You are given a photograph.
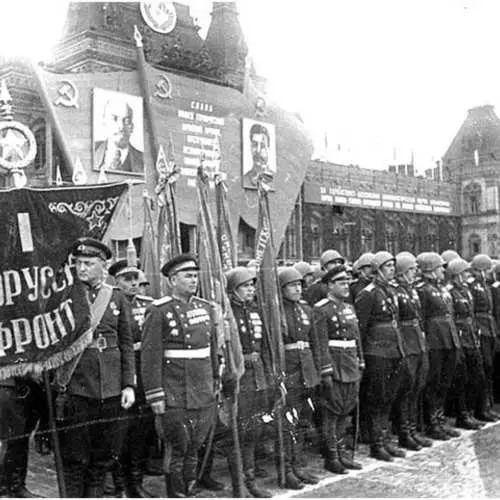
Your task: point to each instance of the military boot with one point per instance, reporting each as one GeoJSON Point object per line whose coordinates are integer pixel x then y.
{"type": "Point", "coordinates": [252, 487]}
{"type": "Point", "coordinates": [378, 451]}
{"type": "Point", "coordinates": [405, 438]}
{"type": "Point", "coordinates": [418, 438]}
{"type": "Point", "coordinates": [305, 476]}
{"type": "Point", "coordinates": [345, 456]}
{"type": "Point", "coordinates": [435, 431]}
{"type": "Point", "coordinates": [175, 486]}
{"type": "Point", "coordinates": [465, 421]}
{"type": "Point", "coordinates": [291, 481]}
{"type": "Point", "coordinates": [333, 463]}
{"type": "Point", "coordinates": [447, 428]}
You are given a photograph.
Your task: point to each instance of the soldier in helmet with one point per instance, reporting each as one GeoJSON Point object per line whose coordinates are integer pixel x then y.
{"type": "Point", "coordinates": [337, 324]}
{"type": "Point", "coordinates": [406, 408]}
{"type": "Point", "coordinates": [448, 256]}
{"type": "Point", "coordinates": [443, 343]}
{"type": "Point", "coordinates": [254, 384]}
{"type": "Point", "coordinates": [495, 291]}
{"type": "Point", "coordinates": [97, 386]}
{"type": "Point", "coordinates": [377, 310]}
{"type": "Point", "coordinates": [483, 312]}
{"type": "Point", "coordinates": [363, 268]}
{"type": "Point", "coordinates": [133, 459]}
{"type": "Point", "coordinates": [318, 290]}
{"type": "Point", "coordinates": [469, 375]}
{"type": "Point", "coordinates": [307, 273]}
{"type": "Point", "coordinates": [304, 360]}
{"type": "Point", "coordinates": [180, 370]}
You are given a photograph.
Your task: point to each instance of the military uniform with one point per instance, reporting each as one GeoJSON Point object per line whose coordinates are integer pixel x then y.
{"type": "Point", "coordinates": [406, 407]}
{"type": "Point", "coordinates": [179, 365]}
{"type": "Point", "coordinates": [495, 292]}
{"type": "Point", "coordinates": [338, 328]}
{"type": "Point", "coordinates": [21, 402]}
{"type": "Point", "coordinates": [253, 401]}
{"type": "Point", "coordinates": [377, 311]}
{"type": "Point", "coordinates": [483, 313]}
{"type": "Point", "coordinates": [140, 431]}
{"type": "Point", "coordinates": [357, 285]}
{"type": "Point", "coordinates": [443, 346]}
{"type": "Point", "coordinates": [303, 361]}
{"type": "Point", "coordinates": [469, 376]}
{"type": "Point", "coordinates": [93, 419]}
{"type": "Point", "coordinates": [317, 291]}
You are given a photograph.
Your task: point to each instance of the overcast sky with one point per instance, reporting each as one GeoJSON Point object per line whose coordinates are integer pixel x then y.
{"type": "Point", "coordinates": [380, 78]}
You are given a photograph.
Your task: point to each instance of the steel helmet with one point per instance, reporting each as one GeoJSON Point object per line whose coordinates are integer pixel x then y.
{"type": "Point", "coordinates": [405, 261]}
{"type": "Point", "coordinates": [496, 268]}
{"type": "Point", "coordinates": [329, 255]}
{"type": "Point", "coordinates": [288, 275]}
{"type": "Point", "coordinates": [237, 276]}
{"type": "Point", "coordinates": [381, 258]}
{"type": "Point", "coordinates": [481, 262]}
{"type": "Point", "coordinates": [363, 261]}
{"type": "Point", "coordinates": [456, 266]}
{"type": "Point", "coordinates": [428, 261]}
{"type": "Point", "coordinates": [303, 268]}
{"type": "Point", "coordinates": [449, 255]}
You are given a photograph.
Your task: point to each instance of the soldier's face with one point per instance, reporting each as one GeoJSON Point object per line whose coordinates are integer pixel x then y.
{"type": "Point", "coordinates": [439, 272]}
{"type": "Point", "coordinates": [387, 270]}
{"type": "Point", "coordinates": [308, 279]}
{"type": "Point", "coordinates": [293, 291]}
{"type": "Point", "coordinates": [128, 283]}
{"type": "Point", "coordinates": [366, 271]}
{"type": "Point", "coordinates": [90, 270]}
{"type": "Point", "coordinates": [411, 274]}
{"type": "Point", "coordinates": [185, 283]}
{"type": "Point", "coordinates": [246, 291]}
{"type": "Point", "coordinates": [339, 288]}
{"type": "Point", "coordinates": [333, 263]}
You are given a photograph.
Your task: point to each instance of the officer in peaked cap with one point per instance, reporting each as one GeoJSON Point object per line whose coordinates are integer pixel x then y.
{"type": "Point", "coordinates": [303, 361]}
{"type": "Point", "coordinates": [128, 475]}
{"type": "Point", "coordinates": [318, 290]}
{"type": "Point", "coordinates": [256, 380]}
{"type": "Point", "coordinates": [482, 294]}
{"type": "Point", "coordinates": [377, 310]}
{"type": "Point", "coordinates": [443, 343]}
{"type": "Point", "coordinates": [338, 331]}
{"type": "Point", "coordinates": [469, 377]}
{"type": "Point", "coordinates": [98, 385]}
{"type": "Point", "coordinates": [179, 365]}
{"type": "Point", "coordinates": [406, 407]}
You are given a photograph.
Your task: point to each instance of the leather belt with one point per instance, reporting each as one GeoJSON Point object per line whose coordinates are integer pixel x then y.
{"type": "Point", "coordinates": [137, 346]}
{"type": "Point", "coordinates": [466, 319]}
{"type": "Point", "coordinates": [299, 345]}
{"type": "Point", "coordinates": [342, 343]}
{"type": "Point", "coordinates": [409, 322]}
{"type": "Point", "coordinates": [202, 353]}
{"type": "Point", "coordinates": [393, 324]}
{"type": "Point", "coordinates": [102, 343]}
{"type": "Point", "coordinates": [444, 316]}
{"type": "Point", "coordinates": [253, 356]}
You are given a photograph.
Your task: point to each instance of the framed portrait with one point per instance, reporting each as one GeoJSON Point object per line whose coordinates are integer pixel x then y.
{"type": "Point", "coordinates": [259, 153]}
{"type": "Point", "coordinates": [117, 132]}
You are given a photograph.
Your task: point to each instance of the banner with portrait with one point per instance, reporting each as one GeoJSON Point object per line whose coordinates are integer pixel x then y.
{"type": "Point", "coordinates": [259, 153]}
{"type": "Point", "coordinates": [118, 132]}
{"type": "Point", "coordinates": [44, 315]}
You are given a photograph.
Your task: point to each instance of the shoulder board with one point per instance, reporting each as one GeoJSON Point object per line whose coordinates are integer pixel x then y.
{"type": "Point", "coordinates": [369, 287]}
{"type": "Point", "coordinates": [322, 302]}
{"type": "Point", "coordinates": [496, 284]}
{"type": "Point", "coordinates": [203, 300]}
{"type": "Point", "coordinates": [394, 284]}
{"type": "Point", "coordinates": [145, 298]}
{"type": "Point", "coordinates": [471, 280]}
{"type": "Point", "coordinates": [420, 285]}
{"type": "Point", "coordinates": [303, 302]}
{"type": "Point", "coordinates": [448, 287]}
{"type": "Point", "coordinates": [162, 300]}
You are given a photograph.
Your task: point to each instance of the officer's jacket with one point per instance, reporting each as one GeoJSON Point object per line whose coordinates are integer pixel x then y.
{"type": "Point", "coordinates": [337, 323]}
{"type": "Point", "coordinates": [139, 304]}
{"type": "Point", "coordinates": [483, 306]}
{"type": "Point", "coordinates": [179, 353]}
{"type": "Point", "coordinates": [495, 294]}
{"type": "Point", "coordinates": [437, 306]}
{"type": "Point", "coordinates": [357, 285]}
{"type": "Point", "coordinates": [253, 339]}
{"type": "Point", "coordinates": [315, 293]}
{"type": "Point", "coordinates": [410, 318]}
{"type": "Point", "coordinates": [107, 365]}
{"type": "Point", "coordinates": [463, 314]}
{"type": "Point", "coordinates": [377, 310]}
{"type": "Point", "coordinates": [302, 350]}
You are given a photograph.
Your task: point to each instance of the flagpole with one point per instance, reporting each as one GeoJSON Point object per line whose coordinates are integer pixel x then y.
{"type": "Point", "coordinates": [55, 437]}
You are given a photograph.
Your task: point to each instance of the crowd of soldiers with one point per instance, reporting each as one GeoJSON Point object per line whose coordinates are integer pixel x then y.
{"type": "Point", "coordinates": [378, 352]}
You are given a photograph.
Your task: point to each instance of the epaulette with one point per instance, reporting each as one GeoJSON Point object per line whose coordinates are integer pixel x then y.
{"type": "Point", "coordinates": [470, 280]}
{"type": "Point", "coordinates": [449, 286]}
{"type": "Point", "coordinates": [369, 287]}
{"type": "Point", "coordinates": [303, 302]}
{"type": "Point", "coordinates": [162, 300]}
{"type": "Point", "coordinates": [395, 284]}
{"type": "Point", "coordinates": [322, 302]}
{"type": "Point", "coordinates": [420, 284]}
{"type": "Point", "coordinates": [496, 284]}
{"type": "Point", "coordinates": [145, 298]}
{"type": "Point", "coordinates": [203, 300]}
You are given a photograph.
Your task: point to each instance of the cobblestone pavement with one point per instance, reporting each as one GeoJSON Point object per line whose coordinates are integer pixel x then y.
{"type": "Point", "coordinates": [468, 466]}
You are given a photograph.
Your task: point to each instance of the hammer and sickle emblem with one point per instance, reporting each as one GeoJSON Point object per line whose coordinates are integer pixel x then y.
{"type": "Point", "coordinates": [68, 95]}
{"type": "Point", "coordinates": [163, 88]}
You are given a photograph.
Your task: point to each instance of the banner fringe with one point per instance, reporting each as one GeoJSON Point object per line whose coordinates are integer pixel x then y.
{"type": "Point", "coordinates": [55, 361]}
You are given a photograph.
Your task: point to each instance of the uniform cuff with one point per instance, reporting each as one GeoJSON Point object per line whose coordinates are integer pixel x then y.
{"type": "Point", "coordinates": [155, 395]}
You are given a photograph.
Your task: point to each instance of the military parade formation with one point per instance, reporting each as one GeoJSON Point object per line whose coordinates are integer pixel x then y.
{"type": "Point", "coordinates": [386, 351]}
